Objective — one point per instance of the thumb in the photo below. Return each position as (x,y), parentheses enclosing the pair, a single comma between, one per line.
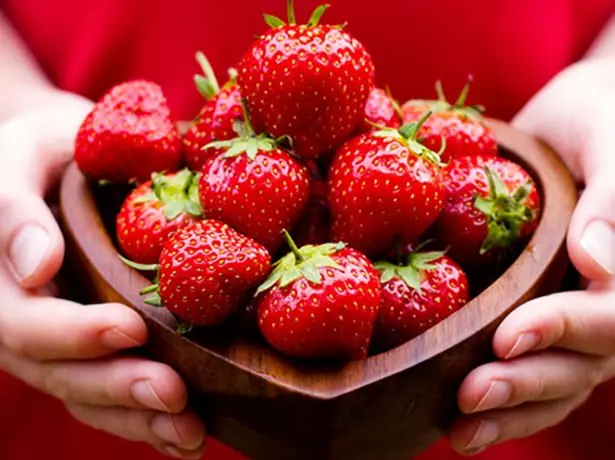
(591,235)
(31,243)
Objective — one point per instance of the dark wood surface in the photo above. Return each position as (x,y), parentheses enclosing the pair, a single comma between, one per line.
(392,405)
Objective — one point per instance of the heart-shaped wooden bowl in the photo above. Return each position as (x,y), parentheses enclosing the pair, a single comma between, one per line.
(392,405)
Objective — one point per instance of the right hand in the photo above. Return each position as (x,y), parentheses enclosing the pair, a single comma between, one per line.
(64,349)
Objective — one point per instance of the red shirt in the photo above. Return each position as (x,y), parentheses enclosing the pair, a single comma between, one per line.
(511,48)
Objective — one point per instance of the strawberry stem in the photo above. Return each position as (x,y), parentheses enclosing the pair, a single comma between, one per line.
(440,91)
(410,130)
(291,12)
(246,118)
(293,247)
(461,100)
(207,85)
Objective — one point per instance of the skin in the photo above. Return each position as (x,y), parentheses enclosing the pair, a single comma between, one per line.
(87,375)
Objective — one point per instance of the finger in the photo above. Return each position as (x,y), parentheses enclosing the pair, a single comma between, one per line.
(31,243)
(55,329)
(164,431)
(591,236)
(539,377)
(579,321)
(471,434)
(128,382)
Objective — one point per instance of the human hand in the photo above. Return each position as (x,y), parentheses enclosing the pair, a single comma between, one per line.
(73,352)
(555,350)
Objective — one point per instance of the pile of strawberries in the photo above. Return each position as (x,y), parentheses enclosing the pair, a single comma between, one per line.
(302,199)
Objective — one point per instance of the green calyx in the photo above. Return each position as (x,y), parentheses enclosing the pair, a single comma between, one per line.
(301,262)
(274,21)
(409,135)
(179,194)
(152,291)
(247,142)
(506,212)
(443,105)
(412,271)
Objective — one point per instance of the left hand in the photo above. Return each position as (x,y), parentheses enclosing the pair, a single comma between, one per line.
(555,350)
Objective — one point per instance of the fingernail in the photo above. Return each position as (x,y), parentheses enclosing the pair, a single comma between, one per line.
(496,395)
(487,433)
(598,241)
(144,393)
(163,427)
(28,249)
(114,338)
(525,342)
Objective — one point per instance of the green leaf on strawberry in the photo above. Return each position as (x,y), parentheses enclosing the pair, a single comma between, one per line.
(459,106)
(412,271)
(505,210)
(408,134)
(178,193)
(304,261)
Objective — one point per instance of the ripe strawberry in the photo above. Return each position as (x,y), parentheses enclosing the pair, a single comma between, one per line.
(416,295)
(206,271)
(462,127)
(314,227)
(153,212)
(215,122)
(320,302)
(381,110)
(309,82)
(129,135)
(492,203)
(255,186)
(384,188)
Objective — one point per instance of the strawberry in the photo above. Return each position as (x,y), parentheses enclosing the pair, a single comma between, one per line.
(314,226)
(492,203)
(206,271)
(380,110)
(462,127)
(320,302)
(384,188)
(129,134)
(310,82)
(416,295)
(255,186)
(216,119)
(153,212)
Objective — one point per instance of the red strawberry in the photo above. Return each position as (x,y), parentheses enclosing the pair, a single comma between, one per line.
(492,203)
(216,120)
(129,135)
(309,82)
(206,271)
(153,212)
(417,295)
(384,188)
(255,186)
(315,224)
(381,110)
(320,302)
(462,127)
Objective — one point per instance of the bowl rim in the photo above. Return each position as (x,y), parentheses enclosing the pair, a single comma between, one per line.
(558,194)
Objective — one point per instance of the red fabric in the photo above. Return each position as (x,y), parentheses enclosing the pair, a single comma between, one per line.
(511,49)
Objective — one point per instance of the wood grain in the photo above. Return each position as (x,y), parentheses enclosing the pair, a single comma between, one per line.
(392,405)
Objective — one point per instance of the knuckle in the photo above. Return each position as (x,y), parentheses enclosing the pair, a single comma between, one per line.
(16,343)
(54,383)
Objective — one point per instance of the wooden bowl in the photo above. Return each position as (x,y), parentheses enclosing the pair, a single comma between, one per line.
(392,405)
